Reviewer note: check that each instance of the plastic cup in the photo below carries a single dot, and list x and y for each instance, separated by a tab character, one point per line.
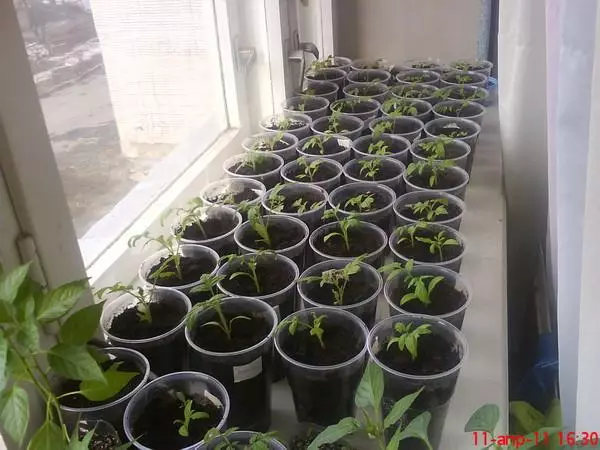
336	147
398	145
328	184
449	78
242	438
418	76
269	178
472	93
455	147
409	128
424	113
368	63
211	193
396	182
468	110
438	127
352	124
335	75
300	133
287	154
311	217
369	76
485	67
459	190
423	196
425	92
372	104
422	64
325	89
314	106
375	91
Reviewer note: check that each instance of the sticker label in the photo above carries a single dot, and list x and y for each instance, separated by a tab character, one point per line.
248	371
346	143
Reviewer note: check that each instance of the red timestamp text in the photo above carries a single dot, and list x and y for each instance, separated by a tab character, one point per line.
541	438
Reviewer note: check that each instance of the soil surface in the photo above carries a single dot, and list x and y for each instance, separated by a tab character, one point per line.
283	236
264	165
307	197
386	171
166	315
323	173
464	92
452	151
360	287
381	201
191	271
460	111
244	334
444	299
453	211
361	240
345	125
294	124
247	194
356	108
272	277
394	145
331	147
420	252
103	442
445	180
210	228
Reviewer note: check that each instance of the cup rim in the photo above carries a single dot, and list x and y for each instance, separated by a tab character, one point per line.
370	225
275	217
450	197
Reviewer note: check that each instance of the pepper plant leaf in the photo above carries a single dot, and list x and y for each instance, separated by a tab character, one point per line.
334	433
81	326
11	282
74	362
14	413
116	380
59	301
370	389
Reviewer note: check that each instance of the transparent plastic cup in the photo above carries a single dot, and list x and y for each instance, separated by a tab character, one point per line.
472	93
370	63
341	62
314	106
363	308
165	352
438	127
325	89
395	288
457	151
468	110
395	182
216	193
450	78
268	178
268	123
438	389
352	124
422	196
459	190
418	76
246	373
335	75
242	439
369	76
336	147
398	146
424	108
328	184
311	217
323	394
450	233
422	64
191	384
485	66
409	128
380	217
375	91
287	154
372	105
294	252
111	412
425	92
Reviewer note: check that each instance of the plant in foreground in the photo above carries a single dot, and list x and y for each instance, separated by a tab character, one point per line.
363	202
435	149
250	263
418	288
368	400
345	224
406	233
268	142
396	107
337	278
192	215
317	141
208	283
430	209
438	242
173	246
315	327
143	312
407	338
260	227
309	169
370	167
435	168
251	160
188	415
226	326
259	441
334	124
379	148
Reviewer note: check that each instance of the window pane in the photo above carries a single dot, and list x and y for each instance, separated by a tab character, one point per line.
132	93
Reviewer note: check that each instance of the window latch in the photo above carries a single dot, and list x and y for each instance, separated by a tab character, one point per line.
299	57
245	58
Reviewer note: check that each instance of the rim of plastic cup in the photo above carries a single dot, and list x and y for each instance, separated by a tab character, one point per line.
470	123
340	76
367	186
418	122
393	137
383	87
324	103
324	160
482	77
259	188
423	103
359	123
482	109
307	186
204	242
386	75
334	88
329	155
400	165
453	198
285	135
462	171
435	74
424	87
275	218
416	157
229	162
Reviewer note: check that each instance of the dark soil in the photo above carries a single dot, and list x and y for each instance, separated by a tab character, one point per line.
307	197
246	194
323	173
361	241
452	78
262	146
191	271
283	236
444	299
435	356
419	78
453	211
345	125
394	146
245	334
402	127
156	428
452	130
414	91
331	147
445	180
421	109
302	443
165	316
358	108
263	166
294	124
211	228
420	252
366	91
360	287
386	171
452	151
323	75
103	442
79	401
381	201
317	89
271	278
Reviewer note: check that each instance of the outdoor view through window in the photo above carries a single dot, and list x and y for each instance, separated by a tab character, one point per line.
131	93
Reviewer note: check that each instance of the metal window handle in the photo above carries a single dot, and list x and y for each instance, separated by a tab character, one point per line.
299	56
245	57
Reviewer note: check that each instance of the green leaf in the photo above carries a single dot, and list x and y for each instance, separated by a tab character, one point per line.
334	433
370	389
527	417
83	444
28	335
400	408
3	361
7	312
484	419
81	326
530	439
48	437
59	301
14	413
74	362
11	282
98	391
15	366
416	429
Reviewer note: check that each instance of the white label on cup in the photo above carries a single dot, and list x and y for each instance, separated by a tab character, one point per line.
344	143
247	371
214	400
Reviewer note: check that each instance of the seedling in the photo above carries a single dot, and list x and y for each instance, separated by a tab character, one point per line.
385	126
363	202
420	288
173	246
192	215
226	326
462	65
268	142
463	79
347	104
455	134
406	233
260	227
283	123
430	209
337	278
435	149
276	200
302	106
335	125
365	92
208	283
415	78
188	415
322	64
435	168
368	400
407	338
410	91
438	242
396	269
315	327
317	141
369	168
379	148
397	107
143	311
249	263
309	169
345	224
258	441
302	205
252	160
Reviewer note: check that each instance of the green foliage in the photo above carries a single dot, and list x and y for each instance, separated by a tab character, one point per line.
173	246
276	199
192	215
407	233
309	169
415	78
368	400
455	134
283	123
335	124
260	227
430	209
345	224
436	148
302	205
463	78
251	160
226	326
317	141
433	168
369	168
418	288
362	202
379	148
143	297
248	263
208	283
437	243
322	64
337	278
269	142
385	126
407	338
315	327
258	441
188	415
346	105
398	107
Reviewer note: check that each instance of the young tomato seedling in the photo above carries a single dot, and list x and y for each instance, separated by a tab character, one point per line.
315	327
345	224
208	283
455	134
379	148
188	415
142	296
435	149
226	326
430	209
407	338
435	168
338	279
406	233
192	215
363	202
302	205
463	78
396	269
309	169
317	141
276	200
334	124
369	168
258	441
421	289
396	107
322	64
268	143
346	105
251	160
249	263
260	227
385	126
437	243
173	246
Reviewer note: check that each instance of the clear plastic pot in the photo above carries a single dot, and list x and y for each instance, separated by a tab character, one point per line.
110	412
473	65
311	217
312	106
446	127
335	75
369	63
422	196
165	352
329	184
246	373
351	125
218	192
370	105
459	190
325	89
422	64
287	154
364	307
341	62
423	108
438	389
409	128
380	217
460	108
425	92
268	124
376	257
269	178
395	288
192	385
324	394
418	76
393	166
369	76
398	146
450	79
375	91
457	151
450	233
242	439
294	252
336	147
472	93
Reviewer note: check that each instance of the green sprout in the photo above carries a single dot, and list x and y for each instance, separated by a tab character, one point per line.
192	215
269	142
208	283
320	64
435	168
362	202
430	209
418	288
143	311
415	78
406	233
345	224
370	167
334	124
395	269
455	134
338	279
188	415
436	148
258	441
398	107
226	326
317	141
276	200
302	205
463	78
260	227
249	263
463	65
385	126
380	148
309	169
173	246
342	106
408	339
283	123
252	160
438	242
315	327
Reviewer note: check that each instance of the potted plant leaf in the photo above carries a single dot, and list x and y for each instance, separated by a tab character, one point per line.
456	128
150	321
441	148
311	105
473	65
337	62
428	290
376	169
336	147
428	206
237	193
368	202
459	108
419	353
325	89
293	123
418	76
339	124
407	127
425	92
438	176
263	167
232	340
461	92
376	91
422	64
369	76
175	411
233	439
399	107
364	109
381	143
278	143
428	243
299	200
460	77
352	286
323	352
333	74
322	172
